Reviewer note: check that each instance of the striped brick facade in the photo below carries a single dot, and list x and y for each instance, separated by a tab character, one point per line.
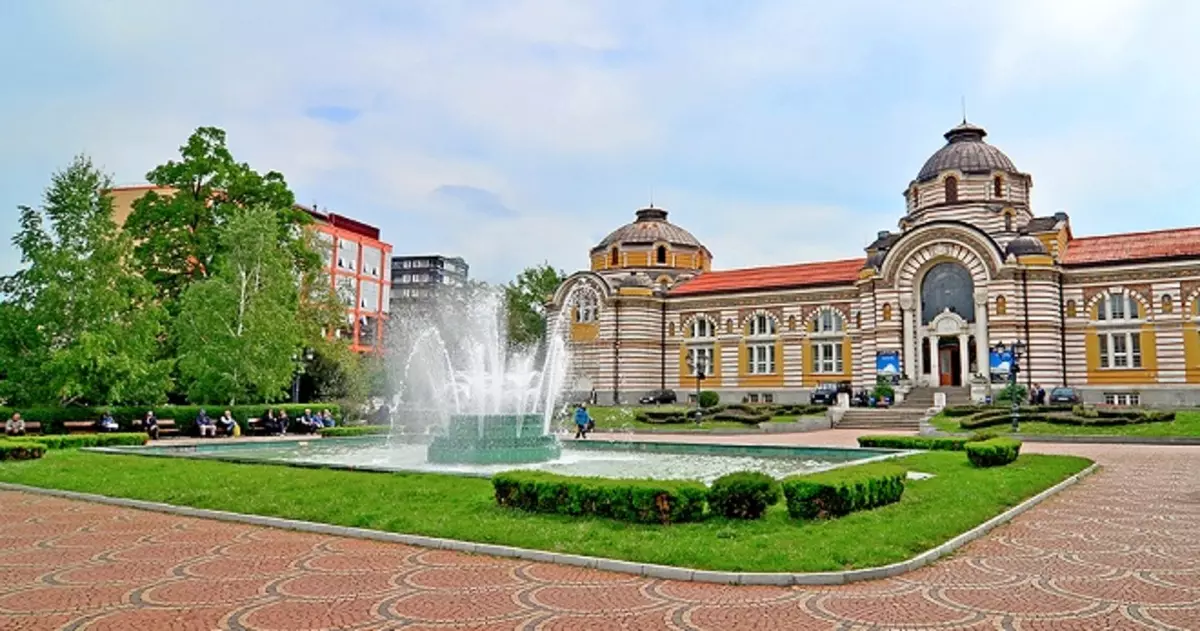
1030	280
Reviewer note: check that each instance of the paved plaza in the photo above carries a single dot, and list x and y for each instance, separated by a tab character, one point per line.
1120	550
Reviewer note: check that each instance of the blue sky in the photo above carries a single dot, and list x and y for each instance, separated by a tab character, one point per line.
521	131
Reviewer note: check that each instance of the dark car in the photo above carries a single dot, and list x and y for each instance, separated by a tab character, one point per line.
827	393
659	397
1064	396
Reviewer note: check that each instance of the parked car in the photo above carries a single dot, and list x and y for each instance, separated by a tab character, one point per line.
827	393
1064	396
659	397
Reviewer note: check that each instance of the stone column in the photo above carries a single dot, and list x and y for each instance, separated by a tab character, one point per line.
935	373
910	340
964	360
982	354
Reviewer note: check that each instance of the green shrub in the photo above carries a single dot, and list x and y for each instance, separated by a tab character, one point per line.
357	430
883	389
743	494
75	441
709	399
749	418
843	491
1084	411
641	501
962	410
21	450
929	443
661	417
1013	391
993	453
977	437
52	418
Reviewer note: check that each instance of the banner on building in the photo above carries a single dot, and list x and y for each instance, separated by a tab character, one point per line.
887	364
1000	361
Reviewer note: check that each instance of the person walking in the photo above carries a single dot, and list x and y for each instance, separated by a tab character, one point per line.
583	421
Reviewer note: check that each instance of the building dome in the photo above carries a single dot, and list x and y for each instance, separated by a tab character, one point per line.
966	151
651	226
1024	245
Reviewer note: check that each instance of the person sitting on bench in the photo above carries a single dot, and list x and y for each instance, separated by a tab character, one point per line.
308	423
284	422
327	418
14	426
150	424
107	423
205	425
270	423
226	424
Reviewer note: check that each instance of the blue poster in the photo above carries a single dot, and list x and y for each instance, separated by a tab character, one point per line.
1000	361
887	363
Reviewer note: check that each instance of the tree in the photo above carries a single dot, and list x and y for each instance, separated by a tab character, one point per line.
237	330
525	299
78	325
179	233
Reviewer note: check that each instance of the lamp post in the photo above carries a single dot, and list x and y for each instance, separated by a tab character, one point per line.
307	355
1014	367
698	367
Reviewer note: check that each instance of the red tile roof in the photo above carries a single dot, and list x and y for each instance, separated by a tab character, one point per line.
1133	246
774	277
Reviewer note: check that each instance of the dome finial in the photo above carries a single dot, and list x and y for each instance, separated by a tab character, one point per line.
964	109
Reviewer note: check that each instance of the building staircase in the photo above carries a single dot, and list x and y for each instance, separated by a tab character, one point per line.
905	416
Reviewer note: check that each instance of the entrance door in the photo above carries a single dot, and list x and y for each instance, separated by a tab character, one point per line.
949	366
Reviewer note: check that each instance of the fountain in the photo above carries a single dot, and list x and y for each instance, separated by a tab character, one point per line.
488	404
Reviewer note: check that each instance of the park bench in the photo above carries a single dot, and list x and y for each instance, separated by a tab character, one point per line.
166	427
255	427
33	427
80	427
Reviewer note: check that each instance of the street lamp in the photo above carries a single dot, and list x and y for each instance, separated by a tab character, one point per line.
698	366
308	355
1014	367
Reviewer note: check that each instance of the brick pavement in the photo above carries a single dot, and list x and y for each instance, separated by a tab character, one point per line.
1121	550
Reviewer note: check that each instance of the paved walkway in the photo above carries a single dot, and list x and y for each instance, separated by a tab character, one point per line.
1119	551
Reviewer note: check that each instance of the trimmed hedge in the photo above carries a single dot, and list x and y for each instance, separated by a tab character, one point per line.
357	430
992	417
743	494
52	418
641	501
21	450
749	418
996	452
843	491
929	443
75	441
708	399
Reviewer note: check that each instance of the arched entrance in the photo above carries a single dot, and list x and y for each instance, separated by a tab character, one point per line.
947	311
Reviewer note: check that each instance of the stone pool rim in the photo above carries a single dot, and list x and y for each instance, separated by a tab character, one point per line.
190	451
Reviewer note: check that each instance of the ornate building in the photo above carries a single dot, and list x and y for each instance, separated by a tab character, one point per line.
971	266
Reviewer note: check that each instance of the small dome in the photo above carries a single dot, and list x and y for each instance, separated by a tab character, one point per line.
651	226
966	151
1024	245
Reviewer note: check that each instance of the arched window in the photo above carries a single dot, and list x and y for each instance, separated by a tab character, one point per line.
614	257
951	189
947	285
828	334
671	329
997	187
1008	222
858	320
1001	306
1118	306
703	327
587	308
660	255
915	196
1072	310
760	354
887	312
791	323
1168	305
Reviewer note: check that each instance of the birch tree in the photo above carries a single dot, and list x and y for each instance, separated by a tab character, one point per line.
238	330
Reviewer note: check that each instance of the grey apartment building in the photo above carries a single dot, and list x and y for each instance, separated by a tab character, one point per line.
419	278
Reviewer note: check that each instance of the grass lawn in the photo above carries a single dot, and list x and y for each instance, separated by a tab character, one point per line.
1186	423
622	418
932	511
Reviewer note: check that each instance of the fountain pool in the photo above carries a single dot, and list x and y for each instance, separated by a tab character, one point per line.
610	459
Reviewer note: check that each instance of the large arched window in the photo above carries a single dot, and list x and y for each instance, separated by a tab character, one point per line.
947	285
1119	340
951	184
614	257
997	187
829	329
760	347
587	308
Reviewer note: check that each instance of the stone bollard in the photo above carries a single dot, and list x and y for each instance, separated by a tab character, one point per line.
939	400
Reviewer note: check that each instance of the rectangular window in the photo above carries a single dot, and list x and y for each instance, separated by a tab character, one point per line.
1120	350
701	357
371	256
1120	356
827	358
1122	398
768	398
762	359
752	397
1104	350
369	296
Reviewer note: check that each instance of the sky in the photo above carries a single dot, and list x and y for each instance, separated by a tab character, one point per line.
521	131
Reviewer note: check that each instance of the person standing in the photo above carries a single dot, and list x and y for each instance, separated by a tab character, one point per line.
583	421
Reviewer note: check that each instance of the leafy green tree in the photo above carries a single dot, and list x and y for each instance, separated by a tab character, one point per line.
525	299
237	330
179	232
78	325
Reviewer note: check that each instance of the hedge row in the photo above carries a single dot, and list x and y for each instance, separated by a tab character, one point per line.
929	443
843	491
642	501
743	494
993	453
1103	418
748	413
21	450
357	430
52	418
75	441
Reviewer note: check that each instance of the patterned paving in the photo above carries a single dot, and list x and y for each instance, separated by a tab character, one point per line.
1119	551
